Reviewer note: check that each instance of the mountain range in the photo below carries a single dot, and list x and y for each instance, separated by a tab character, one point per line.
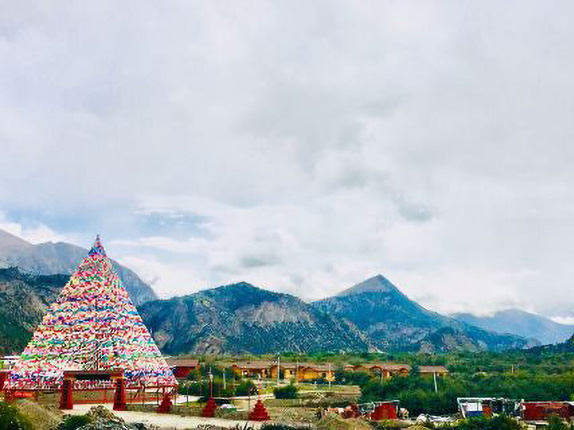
394	322
24	299
241	318
62	258
522	323
371	316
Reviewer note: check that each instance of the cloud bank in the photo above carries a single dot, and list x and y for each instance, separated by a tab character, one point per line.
300	146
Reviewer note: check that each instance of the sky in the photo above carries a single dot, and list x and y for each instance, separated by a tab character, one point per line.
299	146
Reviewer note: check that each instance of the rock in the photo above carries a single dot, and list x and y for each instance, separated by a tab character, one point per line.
103	419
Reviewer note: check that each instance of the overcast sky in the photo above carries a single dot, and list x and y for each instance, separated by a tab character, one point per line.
300	146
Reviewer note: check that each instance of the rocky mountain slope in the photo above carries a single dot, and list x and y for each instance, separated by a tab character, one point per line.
241	318
394	322
62	258
521	323
24	299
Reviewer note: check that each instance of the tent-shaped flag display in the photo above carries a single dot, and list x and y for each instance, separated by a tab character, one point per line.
93	325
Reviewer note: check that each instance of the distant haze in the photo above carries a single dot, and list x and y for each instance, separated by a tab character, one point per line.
299	146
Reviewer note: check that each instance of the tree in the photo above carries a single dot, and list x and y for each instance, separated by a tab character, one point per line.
288	392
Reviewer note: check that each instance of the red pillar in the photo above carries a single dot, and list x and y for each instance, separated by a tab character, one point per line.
3	379
120	395
67	399
9	396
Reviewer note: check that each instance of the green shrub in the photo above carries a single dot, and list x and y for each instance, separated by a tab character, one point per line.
74	422
12	419
500	422
288	392
202	388
246	388
352	378
555	423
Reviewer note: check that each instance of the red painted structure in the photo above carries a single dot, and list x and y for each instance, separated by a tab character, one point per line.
540	411
209	409
182	366
114	377
166	404
67	396
259	412
386	411
3	377
120	394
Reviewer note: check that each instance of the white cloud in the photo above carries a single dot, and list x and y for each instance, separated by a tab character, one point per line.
35	233
564	320
301	146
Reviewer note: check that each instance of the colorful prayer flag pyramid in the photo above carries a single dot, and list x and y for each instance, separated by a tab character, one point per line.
93	325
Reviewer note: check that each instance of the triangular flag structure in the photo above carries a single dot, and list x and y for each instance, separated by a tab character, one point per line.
93	325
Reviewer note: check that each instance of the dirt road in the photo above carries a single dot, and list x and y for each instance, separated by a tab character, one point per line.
166	421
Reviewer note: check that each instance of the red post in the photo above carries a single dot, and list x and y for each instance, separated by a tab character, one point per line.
9	396
165	406
3	379
67	399
120	395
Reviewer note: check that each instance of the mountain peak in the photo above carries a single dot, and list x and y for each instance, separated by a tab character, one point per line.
376	284
237	286
240	289
11	243
244	284
51	258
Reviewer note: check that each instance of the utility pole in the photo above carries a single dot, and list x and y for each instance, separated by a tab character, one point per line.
210	383
297	372
278	368
259	388
435	385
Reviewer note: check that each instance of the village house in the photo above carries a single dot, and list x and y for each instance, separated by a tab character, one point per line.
382	370
388	370
304	371
433	370
182	366
252	369
540	411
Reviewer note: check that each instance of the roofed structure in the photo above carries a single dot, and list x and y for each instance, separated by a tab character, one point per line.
92	326
439	370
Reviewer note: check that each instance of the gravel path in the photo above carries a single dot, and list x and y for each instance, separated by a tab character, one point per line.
165	421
